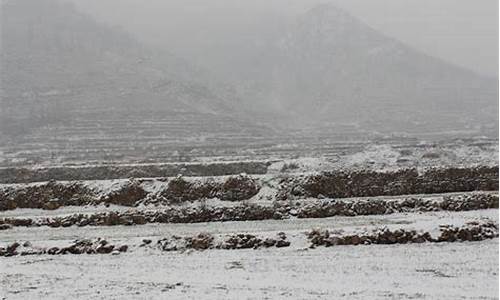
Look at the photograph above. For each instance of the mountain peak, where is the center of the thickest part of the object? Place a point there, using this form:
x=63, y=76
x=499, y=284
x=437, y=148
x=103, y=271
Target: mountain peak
x=330, y=17
x=327, y=11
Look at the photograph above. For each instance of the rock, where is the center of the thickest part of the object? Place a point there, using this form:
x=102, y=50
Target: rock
x=238, y=188
x=127, y=195
x=52, y=204
x=105, y=249
x=269, y=242
x=201, y=241
x=11, y=250
x=5, y=226
x=282, y=243
x=123, y=248
x=53, y=251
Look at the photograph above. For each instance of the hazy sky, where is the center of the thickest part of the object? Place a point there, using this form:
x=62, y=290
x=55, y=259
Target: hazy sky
x=464, y=32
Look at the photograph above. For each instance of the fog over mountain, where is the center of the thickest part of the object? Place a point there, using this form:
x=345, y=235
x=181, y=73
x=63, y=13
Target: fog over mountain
x=329, y=65
x=59, y=64
x=308, y=144
x=462, y=32
x=322, y=67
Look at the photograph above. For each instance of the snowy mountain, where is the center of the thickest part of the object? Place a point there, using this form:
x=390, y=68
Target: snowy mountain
x=70, y=82
x=58, y=64
x=329, y=65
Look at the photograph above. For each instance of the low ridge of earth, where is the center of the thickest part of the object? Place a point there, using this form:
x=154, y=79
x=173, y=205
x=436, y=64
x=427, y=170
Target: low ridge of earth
x=386, y=222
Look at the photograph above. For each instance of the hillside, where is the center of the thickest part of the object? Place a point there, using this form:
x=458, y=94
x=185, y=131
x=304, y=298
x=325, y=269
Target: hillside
x=72, y=84
x=327, y=65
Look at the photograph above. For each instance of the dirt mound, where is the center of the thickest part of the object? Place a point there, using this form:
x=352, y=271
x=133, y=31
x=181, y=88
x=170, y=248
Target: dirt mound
x=234, y=188
x=200, y=241
x=50, y=195
x=238, y=188
x=379, y=206
x=247, y=241
x=401, y=182
x=128, y=195
x=24, y=175
x=472, y=231
x=204, y=241
x=98, y=246
x=322, y=208
x=181, y=190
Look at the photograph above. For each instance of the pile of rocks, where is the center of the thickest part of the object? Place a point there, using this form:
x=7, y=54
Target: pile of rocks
x=321, y=208
x=204, y=241
x=169, y=215
x=469, y=202
x=238, y=188
x=200, y=241
x=181, y=190
x=472, y=231
x=128, y=195
x=50, y=195
x=234, y=188
x=378, y=206
x=53, y=195
x=21, y=249
x=98, y=246
x=246, y=241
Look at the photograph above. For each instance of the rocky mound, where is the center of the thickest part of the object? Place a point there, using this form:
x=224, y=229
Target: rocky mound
x=51, y=195
x=235, y=188
x=179, y=190
x=98, y=246
x=321, y=208
x=472, y=231
x=401, y=182
x=24, y=175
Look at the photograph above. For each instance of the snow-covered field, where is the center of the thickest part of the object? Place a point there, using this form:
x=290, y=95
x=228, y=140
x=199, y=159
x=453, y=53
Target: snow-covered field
x=287, y=200
x=461, y=270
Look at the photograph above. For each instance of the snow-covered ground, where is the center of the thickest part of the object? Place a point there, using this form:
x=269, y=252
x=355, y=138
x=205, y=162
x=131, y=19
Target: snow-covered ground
x=461, y=270
x=444, y=270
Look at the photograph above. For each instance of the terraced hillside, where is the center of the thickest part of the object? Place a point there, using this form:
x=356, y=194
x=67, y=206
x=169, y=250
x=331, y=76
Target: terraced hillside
x=75, y=89
x=86, y=92
x=128, y=173
x=229, y=232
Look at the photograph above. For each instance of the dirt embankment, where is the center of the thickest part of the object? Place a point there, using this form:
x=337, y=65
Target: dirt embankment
x=201, y=241
x=180, y=190
x=471, y=231
x=401, y=182
x=235, y=188
x=319, y=208
x=25, y=175
x=53, y=194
